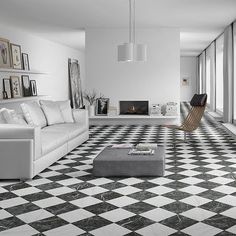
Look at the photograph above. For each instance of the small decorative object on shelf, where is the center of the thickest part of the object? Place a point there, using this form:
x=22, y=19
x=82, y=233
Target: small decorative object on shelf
x=112, y=111
x=5, y=55
x=25, y=59
x=15, y=87
x=156, y=109
x=102, y=106
x=16, y=56
x=90, y=97
x=6, y=88
x=33, y=88
x=171, y=109
x=26, y=85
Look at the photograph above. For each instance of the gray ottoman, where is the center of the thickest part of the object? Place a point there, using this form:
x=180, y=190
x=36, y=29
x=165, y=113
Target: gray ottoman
x=117, y=162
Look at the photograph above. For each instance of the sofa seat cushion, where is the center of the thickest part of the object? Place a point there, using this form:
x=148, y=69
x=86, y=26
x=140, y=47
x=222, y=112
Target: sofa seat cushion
x=52, y=139
x=71, y=129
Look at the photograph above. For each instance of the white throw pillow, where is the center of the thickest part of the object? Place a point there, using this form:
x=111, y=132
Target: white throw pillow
x=66, y=111
x=33, y=114
x=11, y=117
x=2, y=120
x=64, y=107
x=52, y=112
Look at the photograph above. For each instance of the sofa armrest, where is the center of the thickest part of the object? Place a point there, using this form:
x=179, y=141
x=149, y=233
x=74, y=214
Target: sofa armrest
x=81, y=116
x=17, y=132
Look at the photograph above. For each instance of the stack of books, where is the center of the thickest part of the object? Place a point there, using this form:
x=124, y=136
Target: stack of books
x=143, y=149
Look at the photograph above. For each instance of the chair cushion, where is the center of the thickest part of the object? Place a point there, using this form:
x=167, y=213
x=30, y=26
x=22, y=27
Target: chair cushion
x=199, y=100
x=33, y=114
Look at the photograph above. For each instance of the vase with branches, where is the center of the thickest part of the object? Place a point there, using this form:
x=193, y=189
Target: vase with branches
x=90, y=97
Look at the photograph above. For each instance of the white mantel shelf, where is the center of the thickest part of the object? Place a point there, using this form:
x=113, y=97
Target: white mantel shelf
x=29, y=72
x=133, y=120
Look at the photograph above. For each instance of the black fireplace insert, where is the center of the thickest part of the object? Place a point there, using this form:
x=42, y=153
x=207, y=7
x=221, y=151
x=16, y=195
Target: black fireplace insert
x=134, y=108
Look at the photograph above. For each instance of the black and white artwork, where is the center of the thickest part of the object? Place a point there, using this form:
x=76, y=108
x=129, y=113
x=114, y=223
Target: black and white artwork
x=15, y=87
x=25, y=59
x=5, y=59
x=6, y=88
x=33, y=88
x=76, y=94
x=102, y=105
x=26, y=85
x=16, y=56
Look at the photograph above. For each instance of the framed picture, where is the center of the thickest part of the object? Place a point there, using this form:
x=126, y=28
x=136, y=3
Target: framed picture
x=15, y=87
x=16, y=56
x=25, y=59
x=26, y=85
x=6, y=88
x=185, y=81
x=5, y=55
x=102, y=105
x=33, y=88
x=76, y=95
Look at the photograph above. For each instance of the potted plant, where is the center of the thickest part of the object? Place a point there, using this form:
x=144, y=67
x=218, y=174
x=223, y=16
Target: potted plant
x=90, y=97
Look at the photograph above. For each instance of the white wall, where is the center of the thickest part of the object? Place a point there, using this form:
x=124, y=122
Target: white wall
x=188, y=69
x=46, y=56
x=156, y=80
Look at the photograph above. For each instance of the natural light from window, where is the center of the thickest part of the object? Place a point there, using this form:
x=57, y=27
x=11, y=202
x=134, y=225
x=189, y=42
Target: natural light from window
x=219, y=73
x=208, y=78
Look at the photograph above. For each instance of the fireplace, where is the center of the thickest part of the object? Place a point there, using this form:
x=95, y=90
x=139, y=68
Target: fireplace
x=134, y=108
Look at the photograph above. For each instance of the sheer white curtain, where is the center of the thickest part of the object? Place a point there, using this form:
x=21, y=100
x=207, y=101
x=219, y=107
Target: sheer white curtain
x=219, y=73
x=234, y=33
x=202, y=72
x=210, y=76
x=228, y=74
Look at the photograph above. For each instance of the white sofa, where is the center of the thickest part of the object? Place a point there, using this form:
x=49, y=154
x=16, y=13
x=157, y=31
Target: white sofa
x=27, y=150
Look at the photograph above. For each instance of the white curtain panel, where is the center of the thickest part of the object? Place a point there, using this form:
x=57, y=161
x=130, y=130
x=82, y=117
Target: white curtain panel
x=202, y=72
x=228, y=74
x=210, y=55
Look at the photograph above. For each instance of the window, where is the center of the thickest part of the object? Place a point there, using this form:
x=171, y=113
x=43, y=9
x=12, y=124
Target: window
x=219, y=73
x=200, y=77
x=234, y=30
x=208, y=78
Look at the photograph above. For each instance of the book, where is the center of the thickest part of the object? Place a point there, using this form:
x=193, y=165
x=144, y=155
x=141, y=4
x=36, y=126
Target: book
x=134, y=151
x=146, y=146
x=123, y=145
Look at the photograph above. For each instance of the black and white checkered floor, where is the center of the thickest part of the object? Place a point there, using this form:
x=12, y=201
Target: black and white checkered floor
x=197, y=195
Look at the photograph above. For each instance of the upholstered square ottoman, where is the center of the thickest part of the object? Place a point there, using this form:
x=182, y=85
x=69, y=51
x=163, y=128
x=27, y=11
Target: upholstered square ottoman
x=117, y=162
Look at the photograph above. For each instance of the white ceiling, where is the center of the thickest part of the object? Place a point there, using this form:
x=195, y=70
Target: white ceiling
x=64, y=21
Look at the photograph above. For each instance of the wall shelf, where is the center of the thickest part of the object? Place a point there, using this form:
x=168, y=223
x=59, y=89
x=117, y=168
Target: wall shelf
x=29, y=72
x=22, y=99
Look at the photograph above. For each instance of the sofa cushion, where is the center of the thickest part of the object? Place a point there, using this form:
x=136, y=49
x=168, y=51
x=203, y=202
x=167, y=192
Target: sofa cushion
x=11, y=117
x=64, y=106
x=33, y=114
x=52, y=112
x=51, y=140
x=70, y=129
x=2, y=120
x=66, y=111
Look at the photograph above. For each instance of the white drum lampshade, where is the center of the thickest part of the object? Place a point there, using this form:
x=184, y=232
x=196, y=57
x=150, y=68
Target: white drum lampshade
x=140, y=52
x=126, y=52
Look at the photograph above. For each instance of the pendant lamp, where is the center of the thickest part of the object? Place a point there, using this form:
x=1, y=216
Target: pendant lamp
x=130, y=52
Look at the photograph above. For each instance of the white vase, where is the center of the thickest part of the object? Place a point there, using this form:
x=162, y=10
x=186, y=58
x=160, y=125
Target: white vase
x=91, y=110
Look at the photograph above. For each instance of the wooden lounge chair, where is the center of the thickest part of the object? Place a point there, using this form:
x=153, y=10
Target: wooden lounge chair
x=193, y=119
